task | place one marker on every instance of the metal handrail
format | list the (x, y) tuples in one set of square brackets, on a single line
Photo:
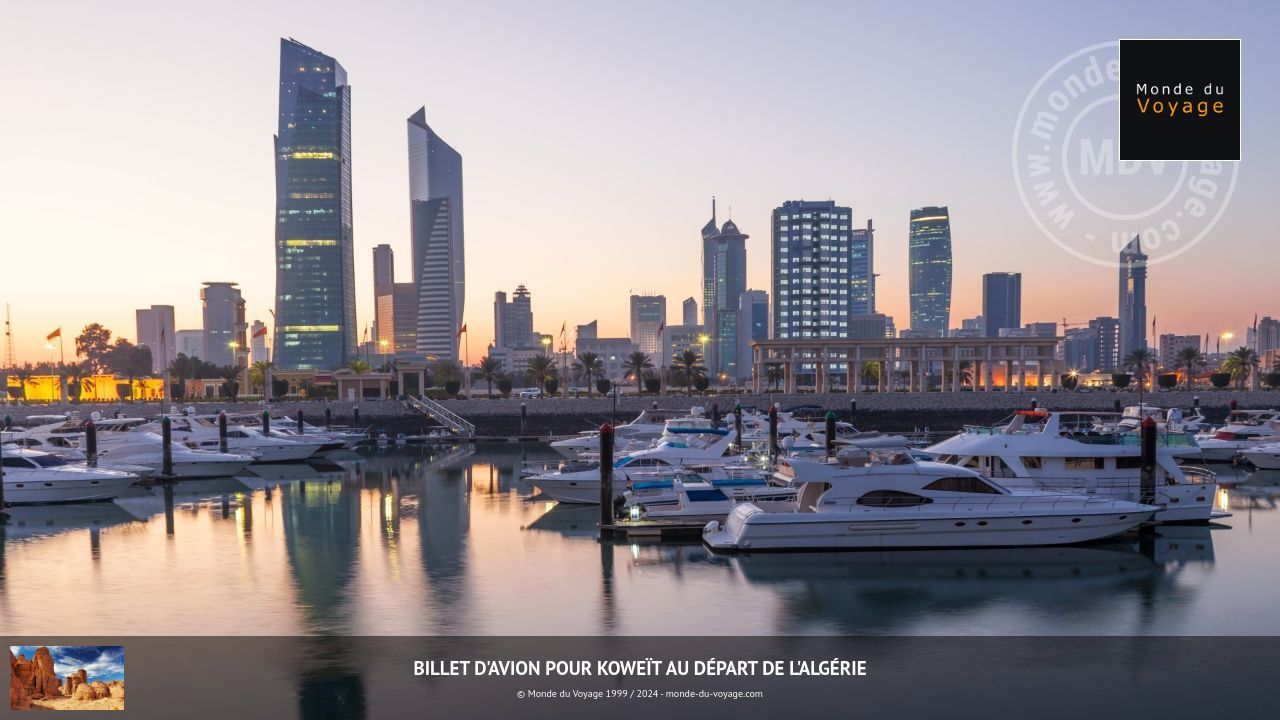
[(447, 417)]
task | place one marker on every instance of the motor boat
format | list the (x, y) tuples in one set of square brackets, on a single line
[(331, 439), (1172, 419), (884, 499), (640, 432), (1245, 429), (143, 452), (32, 477), (201, 432), (1264, 457), (691, 496), (54, 434), (1065, 452)]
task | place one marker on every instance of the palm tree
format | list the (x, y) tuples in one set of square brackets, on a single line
[(637, 364), (24, 375), (1239, 363), (231, 377), (76, 374), (688, 367), (1190, 358), (541, 369), (774, 374), (966, 373), (258, 374), (446, 371), (869, 373), (589, 365), (490, 369), (1139, 361), (359, 367)]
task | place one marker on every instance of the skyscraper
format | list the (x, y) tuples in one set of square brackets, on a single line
[(1133, 299), (753, 324), (862, 273), (513, 320), (224, 324), (690, 311), (724, 279), (435, 199), (930, 271), (258, 342), (1106, 333), (156, 331), (384, 278), (814, 256), (648, 316), (1001, 301), (315, 266)]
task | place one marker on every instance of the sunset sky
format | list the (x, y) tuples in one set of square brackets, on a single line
[(138, 157)]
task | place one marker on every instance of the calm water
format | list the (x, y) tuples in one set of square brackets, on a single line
[(429, 542)]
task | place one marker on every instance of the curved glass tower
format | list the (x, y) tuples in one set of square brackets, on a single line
[(435, 199), (315, 266), (930, 266)]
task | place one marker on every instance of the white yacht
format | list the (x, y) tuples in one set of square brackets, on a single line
[(888, 500), (333, 439), (54, 434), (640, 432), (1172, 419), (201, 432), (32, 477), (1245, 429), (1064, 451), (693, 496), (143, 452), (1264, 457)]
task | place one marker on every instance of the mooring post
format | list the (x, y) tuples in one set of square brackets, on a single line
[(773, 433), (1148, 460), (328, 418), (91, 443), (266, 422), (606, 474), (737, 425), (1195, 402), (524, 417), (715, 414), (2, 515), (614, 392), (853, 408), (8, 422), (355, 417), (1117, 404), (166, 444), (1034, 404), (300, 430), (831, 433), (222, 432)]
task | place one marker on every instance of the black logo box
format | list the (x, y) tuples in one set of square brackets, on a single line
[(1186, 67)]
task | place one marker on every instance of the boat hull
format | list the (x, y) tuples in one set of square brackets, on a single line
[(1263, 459), (24, 491)]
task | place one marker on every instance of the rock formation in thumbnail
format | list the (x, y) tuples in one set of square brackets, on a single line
[(44, 679), (18, 699)]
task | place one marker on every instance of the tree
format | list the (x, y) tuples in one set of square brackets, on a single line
[(869, 373), (542, 372), (1239, 364), (258, 375), (504, 385), (688, 367), (94, 343), (129, 360), (1167, 381), (701, 383), (774, 374), (653, 385), (24, 375), (447, 371), (1220, 379), (1272, 379), (359, 367), (1139, 361), (637, 365), (230, 375), (1070, 381), (1121, 380), (603, 385), (490, 370), (76, 374), (1190, 358), (588, 366)]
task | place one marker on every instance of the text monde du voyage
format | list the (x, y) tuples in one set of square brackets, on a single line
[(1180, 99), (647, 667)]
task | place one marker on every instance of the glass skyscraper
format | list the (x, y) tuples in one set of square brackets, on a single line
[(1133, 299), (724, 279), (814, 260), (1001, 302), (435, 199), (315, 266), (930, 271)]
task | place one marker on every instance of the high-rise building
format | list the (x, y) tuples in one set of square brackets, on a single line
[(869, 327), (224, 324), (1106, 331), (648, 316), (973, 327), (1001, 301), (690, 311), (435, 195), (678, 338), (814, 260), (1171, 345), (258, 342), (862, 274), (315, 265), (724, 279), (1133, 298), (156, 332), (404, 320), (190, 343), (1080, 350), (1267, 337), (930, 271), (513, 319), (384, 278), (753, 324)]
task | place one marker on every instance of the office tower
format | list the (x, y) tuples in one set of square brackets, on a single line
[(613, 352), (404, 321), (190, 343), (724, 279), (753, 324), (862, 274), (435, 199), (315, 262), (384, 278), (224, 324), (930, 271), (1080, 350), (869, 327), (1001, 301), (648, 316), (1106, 332), (678, 338), (588, 331), (1267, 337), (156, 332), (814, 257), (513, 319), (690, 314), (1171, 345), (258, 342), (384, 266), (1133, 298), (973, 327)]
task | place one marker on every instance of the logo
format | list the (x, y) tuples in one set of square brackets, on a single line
[(1082, 196)]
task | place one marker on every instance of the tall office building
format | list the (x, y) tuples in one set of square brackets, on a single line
[(814, 260), (404, 321), (224, 324), (1080, 350), (648, 316), (1106, 332), (724, 279), (753, 324), (157, 333), (315, 265), (862, 272), (930, 271), (690, 311), (1172, 345), (1133, 298), (258, 342), (1267, 337), (1001, 301), (513, 319), (435, 199), (384, 278)]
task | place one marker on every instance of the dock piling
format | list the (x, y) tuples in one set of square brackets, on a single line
[(1148, 460), (606, 474), (222, 432), (524, 416), (166, 444), (773, 433), (266, 422), (328, 418), (355, 417), (831, 433), (737, 425), (853, 408), (91, 443), (300, 430)]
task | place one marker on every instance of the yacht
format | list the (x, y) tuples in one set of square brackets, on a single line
[(1245, 429), (889, 500), (640, 432), (143, 452), (1264, 457), (694, 496), (332, 439), (1065, 452), (32, 477), (1172, 419), (54, 434), (201, 432)]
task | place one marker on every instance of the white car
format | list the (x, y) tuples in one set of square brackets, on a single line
[(530, 393)]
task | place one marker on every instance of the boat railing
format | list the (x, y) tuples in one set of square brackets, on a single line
[(1196, 475), (1049, 499)]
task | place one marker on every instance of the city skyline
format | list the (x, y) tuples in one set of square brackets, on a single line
[(514, 203)]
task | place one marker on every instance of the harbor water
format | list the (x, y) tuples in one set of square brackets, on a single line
[(450, 541)]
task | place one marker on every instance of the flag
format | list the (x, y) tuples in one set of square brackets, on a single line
[(462, 329), (260, 332), (661, 326), (55, 334)]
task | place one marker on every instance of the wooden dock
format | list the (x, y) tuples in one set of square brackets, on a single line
[(652, 530)]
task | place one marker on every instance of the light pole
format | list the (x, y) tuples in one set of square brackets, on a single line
[(235, 360)]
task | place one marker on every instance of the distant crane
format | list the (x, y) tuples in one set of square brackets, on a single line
[(9, 359)]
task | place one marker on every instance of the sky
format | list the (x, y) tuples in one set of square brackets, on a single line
[(101, 663), (138, 159)]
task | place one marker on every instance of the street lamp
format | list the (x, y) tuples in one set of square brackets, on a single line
[(382, 345), (1226, 335)]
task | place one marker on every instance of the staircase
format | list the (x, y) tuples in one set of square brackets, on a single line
[(442, 415)]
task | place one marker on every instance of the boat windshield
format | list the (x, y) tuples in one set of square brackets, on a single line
[(48, 460)]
